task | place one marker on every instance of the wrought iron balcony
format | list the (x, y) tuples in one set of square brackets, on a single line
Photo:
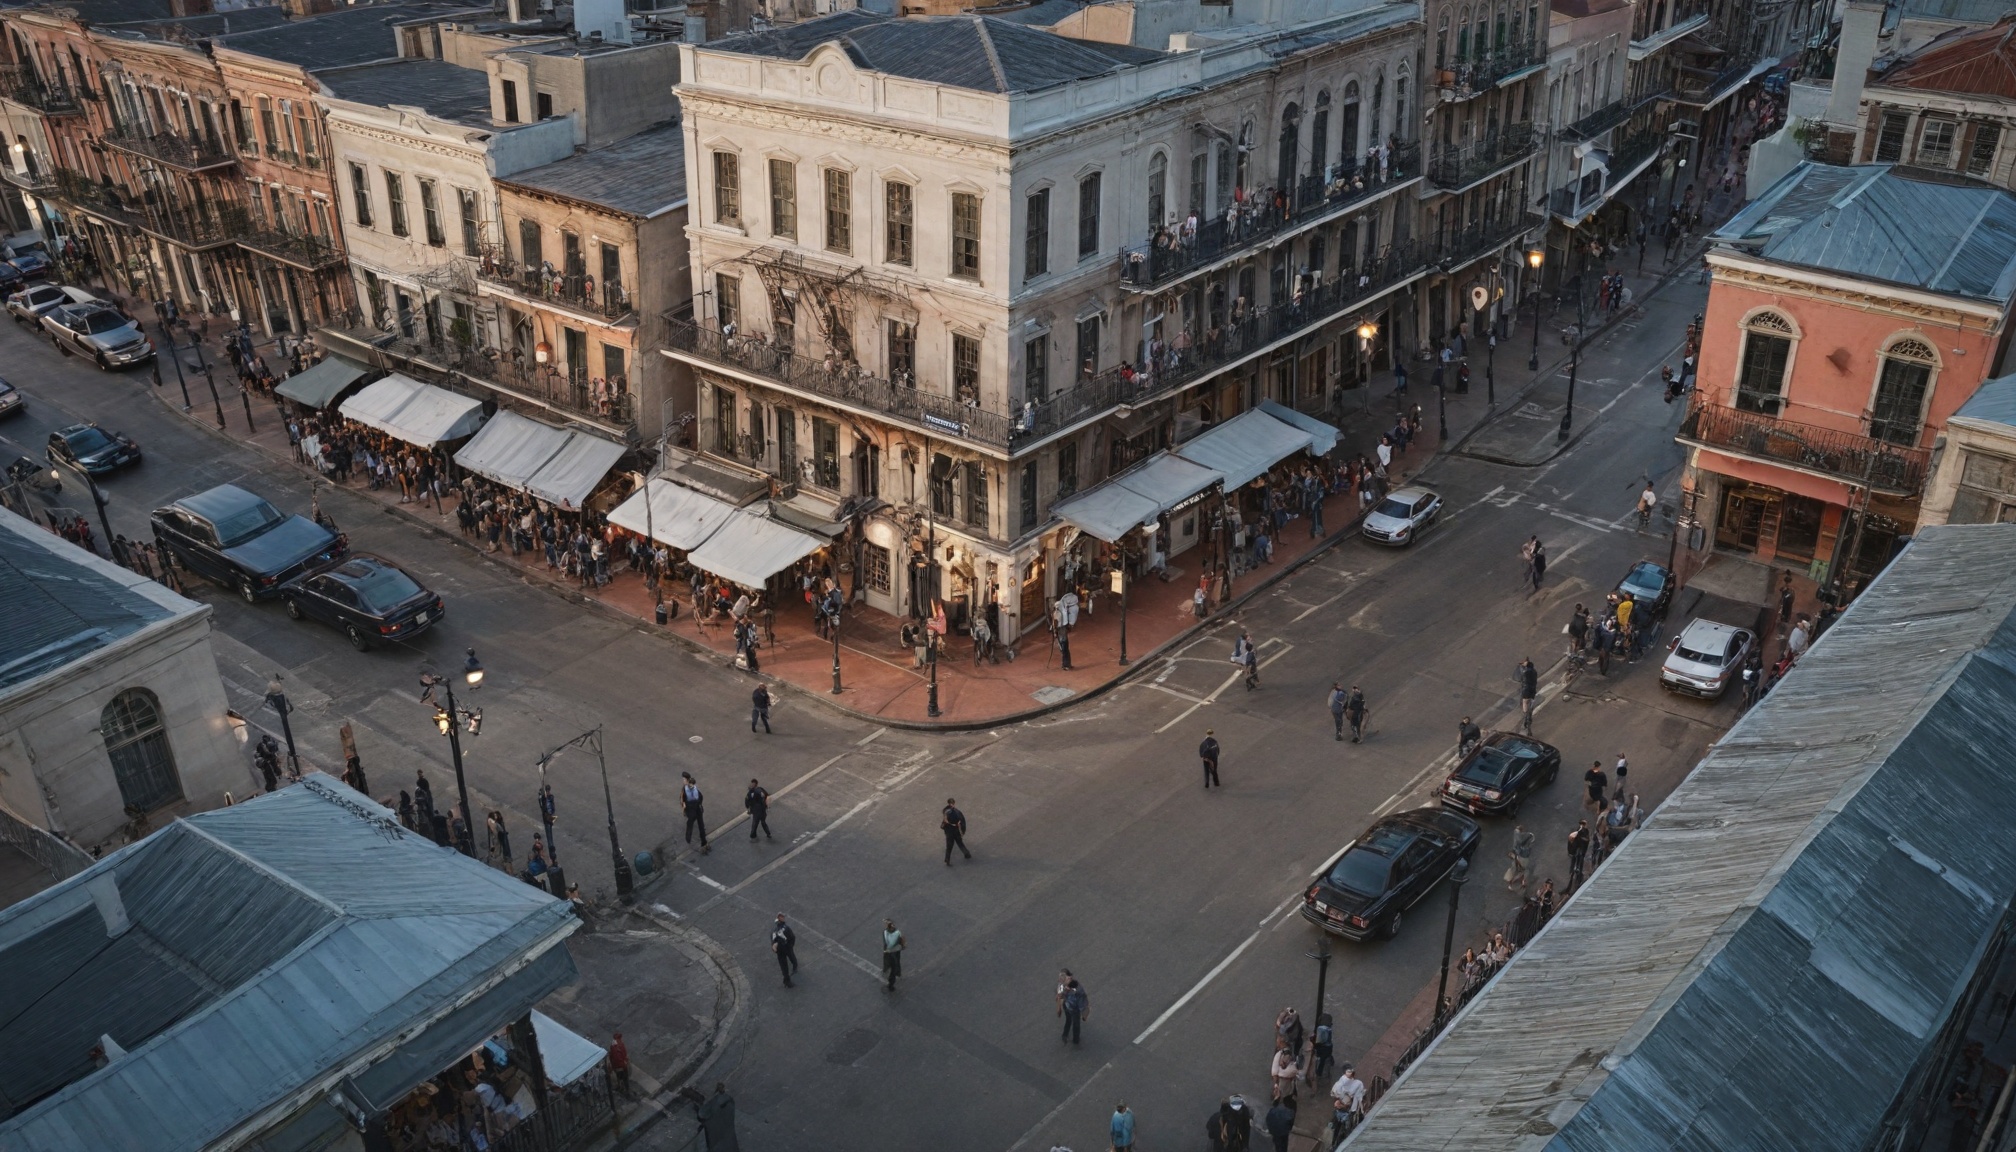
[(1478, 75), (603, 400), (190, 154), (1600, 121), (215, 226), (23, 85), (309, 253), (1175, 253), (1465, 245), (543, 285), (1704, 85), (1461, 166), (37, 179), (1858, 460)]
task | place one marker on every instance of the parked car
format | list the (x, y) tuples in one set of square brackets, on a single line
[(12, 403), (32, 264), (31, 304), (1499, 774), (1364, 891), (1650, 586), (1402, 516), (1702, 660), (11, 279), (108, 336), (367, 597), (89, 448), (243, 542)]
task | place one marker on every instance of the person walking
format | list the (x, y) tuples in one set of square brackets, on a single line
[(1075, 1007), (692, 803), (500, 839), (1120, 1129), (1526, 552), (1283, 1071), (1235, 1124), (1597, 785), (1578, 630), (1281, 1122), (1521, 855), (759, 708), (1786, 601), (1529, 687), (1243, 655), (1347, 1097), (756, 802), (952, 822), (1539, 564), (784, 943), (1795, 641), (1322, 1045), (1622, 769), (1467, 736), (1354, 711), (1337, 699), (892, 953), (1208, 753)]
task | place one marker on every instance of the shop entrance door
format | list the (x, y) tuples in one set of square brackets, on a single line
[(1747, 513), (1032, 593)]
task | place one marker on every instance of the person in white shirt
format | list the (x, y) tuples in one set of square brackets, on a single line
[(1795, 644), (1349, 1091)]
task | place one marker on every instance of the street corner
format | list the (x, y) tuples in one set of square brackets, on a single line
[(1528, 435)]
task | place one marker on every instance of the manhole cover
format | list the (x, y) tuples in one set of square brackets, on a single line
[(853, 1046), (1053, 694)]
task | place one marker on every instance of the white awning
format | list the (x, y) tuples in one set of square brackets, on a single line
[(511, 449), (678, 516), (406, 409), (749, 549), (1110, 510), (567, 1054), (574, 471), (1168, 480), (322, 382), (1322, 437), (1245, 446)]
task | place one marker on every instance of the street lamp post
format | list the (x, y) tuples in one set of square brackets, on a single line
[(1366, 332), (1490, 367), (209, 378), (931, 657), (175, 354), (449, 719), (1322, 958), (1534, 258), (625, 882), (1125, 584), (276, 699), (98, 498), (1574, 364), (1457, 877)]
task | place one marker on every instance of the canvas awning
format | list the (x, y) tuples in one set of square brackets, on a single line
[(678, 517), (421, 414), (574, 471), (567, 1054), (511, 449), (1246, 446), (322, 382), (1137, 496), (1322, 437), (749, 549)]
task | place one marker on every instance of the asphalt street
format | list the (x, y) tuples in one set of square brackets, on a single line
[(1096, 848)]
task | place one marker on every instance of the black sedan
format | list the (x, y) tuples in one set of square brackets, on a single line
[(1499, 774), (1385, 871), (1649, 586), (12, 403), (89, 448), (368, 598), (241, 541)]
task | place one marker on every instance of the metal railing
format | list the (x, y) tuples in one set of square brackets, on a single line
[(217, 225), (36, 179), (1463, 245), (1634, 150), (1171, 254), (1467, 78), (572, 1117), (23, 85), (1600, 121), (577, 291), (1460, 166), (309, 252), (1696, 86), (1518, 930), (191, 154), (1859, 460), (598, 398), (55, 855)]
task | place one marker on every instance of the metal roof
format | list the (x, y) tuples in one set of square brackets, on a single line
[(440, 89), (1994, 401), (642, 175), (1765, 964), (1976, 63), (1886, 223), (249, 959), (63, 603), (984, 53), (347, 36)]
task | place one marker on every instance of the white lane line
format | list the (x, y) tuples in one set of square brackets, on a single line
[(870, 738), (1174, 692), (746, 881), (710, 882), (1181, 716), (1222, 965), (1229, 681), (1315, 608), (780, 793), (1487, 497), (1065, 1103)]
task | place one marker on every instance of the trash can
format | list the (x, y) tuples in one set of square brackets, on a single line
[(645, 864), (660, 614)]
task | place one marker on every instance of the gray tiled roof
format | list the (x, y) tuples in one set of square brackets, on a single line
[(1994, 401), (640, 176), (984, 53), (440, 88), (336, 39), (204, 26), (271, 946), (61, 604)]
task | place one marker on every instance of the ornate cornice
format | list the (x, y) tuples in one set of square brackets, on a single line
[(833, 124), (1914, 306)]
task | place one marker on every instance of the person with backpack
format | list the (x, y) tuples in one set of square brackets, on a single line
[(1075, 1007), (1354, 711)]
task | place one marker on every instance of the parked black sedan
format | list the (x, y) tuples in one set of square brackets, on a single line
[(1499, 774), (89, 448), (241, 541), (365, 596), (1386, 870)]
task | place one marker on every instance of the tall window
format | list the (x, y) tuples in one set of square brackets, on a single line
[(471, 220), (965, 235), (1088, 347), (267, 127), (1036, 370), (1319, 137), (571, 262), (1067, 468), (1200, 171), (430, 211), (899, 241), (839, 211), (305, 129), (941, 484), (727, 188), (360, 189), (1935, 144), (137, 742), (510, 101), (531, 250), (975, 484), (1890, 141), (1898, 413), (1029, 496), (825, 453), (612, 270), (1225, 175), (727, 301), (1036, 233), (1088, 216), (784, 199), (395, 202), (902, 349), (966, 369), (1981, 154), (1158, 191), (1767, 346)]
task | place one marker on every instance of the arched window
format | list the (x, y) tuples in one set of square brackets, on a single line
[(1350, 146), (1319, 137), (1767, 350), (1463, 38), (1158, 190), (1442, 42), (1400, 105), (1898, 414), (137, 743), (1291, 153)]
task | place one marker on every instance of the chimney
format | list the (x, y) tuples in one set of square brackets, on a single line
[(1853, 54)]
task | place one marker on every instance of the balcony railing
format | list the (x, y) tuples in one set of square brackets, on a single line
[(1699, 86), (1184, 361), (1473, 77), (189, 154), (21, 84), (37, 179), (1600, 121), (598, 398), (1859, 460), (307, 252), (218, 224), (1176, 252), (1463, 165), (577, 292), (1464, 245)]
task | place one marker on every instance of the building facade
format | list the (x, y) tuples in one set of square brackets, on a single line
[(1950, 105), (1974, 472)]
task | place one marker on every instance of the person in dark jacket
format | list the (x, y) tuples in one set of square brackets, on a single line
[(756, 802), (1354, 711), (784, 943), (1208, 753), (759, 704), (952, 822)]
